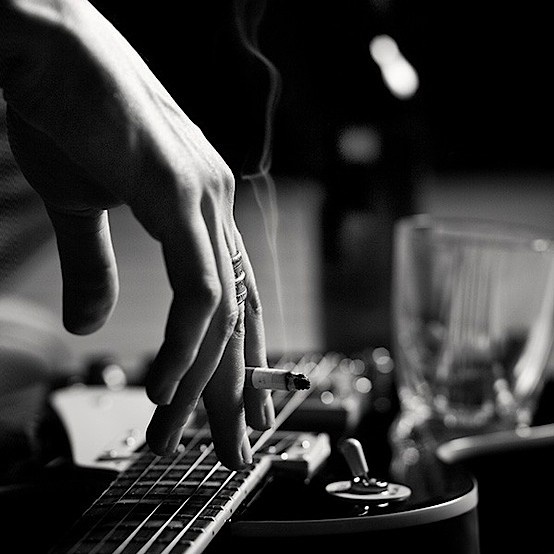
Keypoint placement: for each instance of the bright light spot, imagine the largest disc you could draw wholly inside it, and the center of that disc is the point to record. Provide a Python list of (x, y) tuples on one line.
[(358, 367), (399, 75), (383, 361), (114, 377), (363, 385), (401, 79), (327, 397), (385, 365), (384, 50), (379, 352)]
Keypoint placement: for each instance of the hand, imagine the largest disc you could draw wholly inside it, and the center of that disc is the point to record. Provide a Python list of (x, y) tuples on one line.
[(92, 128)]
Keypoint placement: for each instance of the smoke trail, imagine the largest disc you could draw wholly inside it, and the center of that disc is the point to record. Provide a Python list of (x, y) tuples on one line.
[(262, 183)]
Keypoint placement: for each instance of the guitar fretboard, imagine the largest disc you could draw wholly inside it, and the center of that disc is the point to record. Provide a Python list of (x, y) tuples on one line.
[(169, 504), (177, 504)]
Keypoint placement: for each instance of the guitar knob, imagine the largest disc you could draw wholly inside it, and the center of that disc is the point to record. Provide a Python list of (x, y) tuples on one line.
[(354, 455), (362, 487), (355, 458)]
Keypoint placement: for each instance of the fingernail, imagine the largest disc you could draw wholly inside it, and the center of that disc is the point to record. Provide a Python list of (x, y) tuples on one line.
[(269, 413), (173, 441), (162, 393), (246, 450)]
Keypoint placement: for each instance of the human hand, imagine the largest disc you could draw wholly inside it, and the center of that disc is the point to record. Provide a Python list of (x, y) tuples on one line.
[(92, 128)]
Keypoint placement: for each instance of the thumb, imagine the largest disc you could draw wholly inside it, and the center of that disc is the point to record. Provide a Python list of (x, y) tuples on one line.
[(88, 266)]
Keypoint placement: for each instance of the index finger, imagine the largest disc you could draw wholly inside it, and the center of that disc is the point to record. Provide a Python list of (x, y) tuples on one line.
[(221, 352)]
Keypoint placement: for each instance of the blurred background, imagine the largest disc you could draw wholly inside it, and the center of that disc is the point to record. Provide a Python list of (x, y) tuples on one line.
[(364, 111)]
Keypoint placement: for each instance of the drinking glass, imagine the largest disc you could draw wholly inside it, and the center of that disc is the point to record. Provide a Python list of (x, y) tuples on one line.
[(472, 310)]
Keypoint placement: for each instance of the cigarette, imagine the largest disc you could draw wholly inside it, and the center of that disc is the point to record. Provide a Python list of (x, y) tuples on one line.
[(275, 379)]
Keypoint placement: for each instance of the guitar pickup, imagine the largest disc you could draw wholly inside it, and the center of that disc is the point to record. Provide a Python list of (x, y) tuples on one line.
[(301, 455)]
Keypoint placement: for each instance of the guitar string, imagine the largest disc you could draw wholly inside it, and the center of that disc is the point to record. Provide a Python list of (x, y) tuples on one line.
[(168, 548), (193, 441), (176, 540), (139, 526), (293, 402), (201, 457)]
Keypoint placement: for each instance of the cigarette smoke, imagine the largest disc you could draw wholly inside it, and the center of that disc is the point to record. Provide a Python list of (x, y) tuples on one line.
[(248, 16)]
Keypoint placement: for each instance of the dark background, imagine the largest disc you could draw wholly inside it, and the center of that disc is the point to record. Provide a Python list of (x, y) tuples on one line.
[(484, 72), (483, 105)]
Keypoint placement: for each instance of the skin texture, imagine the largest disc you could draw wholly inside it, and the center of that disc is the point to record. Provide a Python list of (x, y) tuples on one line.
[(92, 128)]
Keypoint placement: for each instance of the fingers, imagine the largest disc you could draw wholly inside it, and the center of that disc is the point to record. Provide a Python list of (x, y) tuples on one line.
[(260, 412), (223, 399), (193, 273), (88, 266), (217, 370), (222, 348)]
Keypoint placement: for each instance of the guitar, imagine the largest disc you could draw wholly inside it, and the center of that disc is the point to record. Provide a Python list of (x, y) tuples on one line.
[(189, 502)]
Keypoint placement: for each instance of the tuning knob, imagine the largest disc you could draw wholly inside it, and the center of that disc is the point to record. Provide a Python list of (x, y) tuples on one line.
[(362, 487)]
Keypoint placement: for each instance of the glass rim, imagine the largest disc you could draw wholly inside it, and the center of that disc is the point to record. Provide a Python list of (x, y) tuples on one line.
[(480, 230)]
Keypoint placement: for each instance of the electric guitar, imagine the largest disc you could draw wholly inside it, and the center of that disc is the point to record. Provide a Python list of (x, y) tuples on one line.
[(189, 502)]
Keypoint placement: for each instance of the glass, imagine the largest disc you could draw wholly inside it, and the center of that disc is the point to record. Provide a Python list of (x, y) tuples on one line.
[(472, 308)]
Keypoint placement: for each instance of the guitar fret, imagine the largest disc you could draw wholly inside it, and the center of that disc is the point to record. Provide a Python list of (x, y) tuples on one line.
[(104, 509), (133, 511), (158, 504)]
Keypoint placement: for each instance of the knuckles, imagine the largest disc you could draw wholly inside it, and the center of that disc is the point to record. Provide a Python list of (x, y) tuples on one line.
[(230, 323)]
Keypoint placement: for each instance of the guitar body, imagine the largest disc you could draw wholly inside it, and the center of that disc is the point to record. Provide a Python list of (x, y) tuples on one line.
[(134, 502), (190, 503), (446, 521)]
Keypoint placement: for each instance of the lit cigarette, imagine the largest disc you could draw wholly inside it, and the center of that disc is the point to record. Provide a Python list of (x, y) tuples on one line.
[(275, 379)]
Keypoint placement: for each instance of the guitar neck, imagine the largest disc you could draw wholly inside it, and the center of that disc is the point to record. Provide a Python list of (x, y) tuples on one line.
[(179, 503)]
